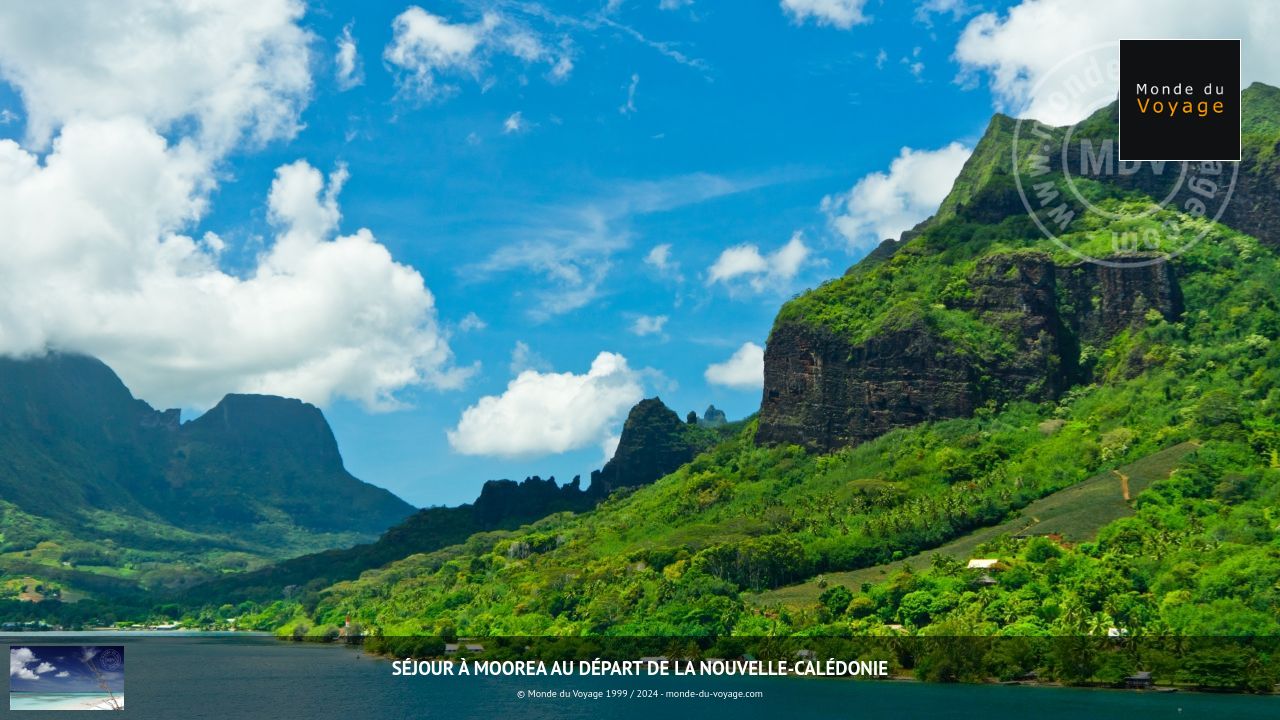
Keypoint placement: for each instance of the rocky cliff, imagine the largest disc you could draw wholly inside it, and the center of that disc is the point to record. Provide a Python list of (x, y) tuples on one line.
[(823, 391)]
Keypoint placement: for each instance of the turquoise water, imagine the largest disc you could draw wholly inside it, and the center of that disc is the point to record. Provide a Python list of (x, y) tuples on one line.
[(258, 677), (58, 701)]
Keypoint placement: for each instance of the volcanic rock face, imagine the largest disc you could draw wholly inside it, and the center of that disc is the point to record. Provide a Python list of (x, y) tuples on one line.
[(823, 392), (654, 442)]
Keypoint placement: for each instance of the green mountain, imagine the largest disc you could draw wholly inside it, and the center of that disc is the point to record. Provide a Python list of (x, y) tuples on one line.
[(654, 442), (940, 387), (100, 492)]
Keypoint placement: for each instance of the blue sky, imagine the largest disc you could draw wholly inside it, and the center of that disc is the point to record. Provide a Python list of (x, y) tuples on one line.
[(66, 668), (634, 187), (788, 113), (530, 200), (477, 231)]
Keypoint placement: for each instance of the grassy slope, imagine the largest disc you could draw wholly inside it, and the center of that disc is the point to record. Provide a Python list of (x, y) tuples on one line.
[(1074, 514), (112, 553)]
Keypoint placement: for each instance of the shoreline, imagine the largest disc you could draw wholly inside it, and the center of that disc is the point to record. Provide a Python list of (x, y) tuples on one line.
[(64, 702)]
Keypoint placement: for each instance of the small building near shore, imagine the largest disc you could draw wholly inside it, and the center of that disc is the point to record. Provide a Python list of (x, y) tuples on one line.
[(1140, 680)]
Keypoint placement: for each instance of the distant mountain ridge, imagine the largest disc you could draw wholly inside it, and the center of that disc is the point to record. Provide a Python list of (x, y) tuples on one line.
[(68, 423), (654, 442), (90, 475)]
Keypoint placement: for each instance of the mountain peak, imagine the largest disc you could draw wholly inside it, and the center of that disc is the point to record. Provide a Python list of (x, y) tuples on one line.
[(270, 421), (654, 442)]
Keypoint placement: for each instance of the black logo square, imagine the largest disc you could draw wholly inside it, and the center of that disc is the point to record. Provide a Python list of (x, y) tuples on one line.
[(1179, 100)]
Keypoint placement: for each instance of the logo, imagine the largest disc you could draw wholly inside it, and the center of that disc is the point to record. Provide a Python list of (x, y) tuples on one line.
[(1093, 204), (110, 660), (1180, 100)]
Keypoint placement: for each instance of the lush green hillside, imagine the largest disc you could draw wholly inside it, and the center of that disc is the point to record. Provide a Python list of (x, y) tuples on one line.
[(654, 442), (1193, 553)]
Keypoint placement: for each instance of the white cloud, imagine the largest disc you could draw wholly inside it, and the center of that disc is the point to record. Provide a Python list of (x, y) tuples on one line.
[(471, 322), (45, 667), (572, 247), (882, 205), (1018, 50), (7, 116), (424, 46), (955, 8), (562, 69), (761, 271), (541, 413), (673, 4), (429, 52), (881, 58), (19, 659), (235, 68), (96, 258), (648, 325), (914, 64), (348, 70), (629, 106), (843, 14), (513, 124), (659, 256), (744, 370), (63, 673)]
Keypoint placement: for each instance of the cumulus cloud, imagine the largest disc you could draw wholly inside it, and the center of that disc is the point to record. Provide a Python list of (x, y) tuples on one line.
[(760, 271), (744, 370), (1017, 50), (95, 257), (234, 68), (348, 70), (659, 256), (843, 14), (648, 325), (882, 205), (45, 667), (63, 673), (514, 123), (429, 52), (19, 659), (425, 46), (471, 322), (547, 412)]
